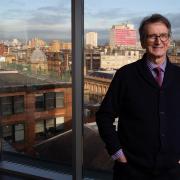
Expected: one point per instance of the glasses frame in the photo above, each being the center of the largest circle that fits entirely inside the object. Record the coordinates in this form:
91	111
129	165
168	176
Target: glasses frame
154	37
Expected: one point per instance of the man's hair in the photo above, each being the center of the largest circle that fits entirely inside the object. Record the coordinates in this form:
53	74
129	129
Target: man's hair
154	18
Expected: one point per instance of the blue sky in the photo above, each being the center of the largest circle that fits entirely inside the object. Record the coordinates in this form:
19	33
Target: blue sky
51	19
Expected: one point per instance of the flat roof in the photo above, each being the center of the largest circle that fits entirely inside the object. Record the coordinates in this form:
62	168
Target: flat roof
14	82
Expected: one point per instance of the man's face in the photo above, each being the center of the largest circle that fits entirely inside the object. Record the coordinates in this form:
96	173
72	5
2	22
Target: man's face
157	40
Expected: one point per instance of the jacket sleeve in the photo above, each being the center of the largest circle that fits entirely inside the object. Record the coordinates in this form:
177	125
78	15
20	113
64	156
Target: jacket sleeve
108	111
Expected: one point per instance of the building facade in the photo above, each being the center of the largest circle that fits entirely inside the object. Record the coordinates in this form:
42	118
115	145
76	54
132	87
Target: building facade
91	39
33	111
116	61
123	35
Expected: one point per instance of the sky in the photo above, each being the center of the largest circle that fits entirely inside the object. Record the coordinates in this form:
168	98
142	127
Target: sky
51	19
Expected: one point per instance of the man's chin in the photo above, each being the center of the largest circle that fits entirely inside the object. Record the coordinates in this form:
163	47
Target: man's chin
157	55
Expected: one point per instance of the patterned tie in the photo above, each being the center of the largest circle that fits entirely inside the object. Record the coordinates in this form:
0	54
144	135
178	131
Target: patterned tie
158	76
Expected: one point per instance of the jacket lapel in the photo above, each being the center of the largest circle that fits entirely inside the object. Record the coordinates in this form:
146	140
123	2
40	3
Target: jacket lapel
168	74
145	72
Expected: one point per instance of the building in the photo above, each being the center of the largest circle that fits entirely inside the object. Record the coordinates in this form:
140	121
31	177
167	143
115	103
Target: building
123	35
66	45
115	61
91	39
32	110
55	46
92	59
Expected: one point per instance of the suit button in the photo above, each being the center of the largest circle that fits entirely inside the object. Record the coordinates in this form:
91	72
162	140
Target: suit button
162	112
162	135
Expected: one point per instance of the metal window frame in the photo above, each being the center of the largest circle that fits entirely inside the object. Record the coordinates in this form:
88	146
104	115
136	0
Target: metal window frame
77	86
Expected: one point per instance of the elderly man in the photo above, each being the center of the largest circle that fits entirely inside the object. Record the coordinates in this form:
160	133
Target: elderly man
145	96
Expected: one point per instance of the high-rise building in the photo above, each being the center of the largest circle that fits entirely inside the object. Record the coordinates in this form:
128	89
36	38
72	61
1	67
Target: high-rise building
91	39
123	35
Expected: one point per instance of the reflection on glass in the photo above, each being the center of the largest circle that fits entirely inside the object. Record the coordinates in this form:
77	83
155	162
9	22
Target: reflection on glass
35	77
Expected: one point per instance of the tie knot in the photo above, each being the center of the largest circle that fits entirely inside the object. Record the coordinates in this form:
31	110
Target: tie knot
157	70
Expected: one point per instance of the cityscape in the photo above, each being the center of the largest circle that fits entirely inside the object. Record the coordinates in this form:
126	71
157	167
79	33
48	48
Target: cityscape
36	80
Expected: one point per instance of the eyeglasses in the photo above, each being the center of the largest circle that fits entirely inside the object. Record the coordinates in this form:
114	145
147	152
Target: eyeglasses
163	37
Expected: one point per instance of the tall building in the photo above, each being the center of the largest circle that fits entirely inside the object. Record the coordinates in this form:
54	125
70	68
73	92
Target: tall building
123	35
91	39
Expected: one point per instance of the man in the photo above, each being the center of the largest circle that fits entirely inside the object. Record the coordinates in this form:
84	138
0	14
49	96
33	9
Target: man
145	96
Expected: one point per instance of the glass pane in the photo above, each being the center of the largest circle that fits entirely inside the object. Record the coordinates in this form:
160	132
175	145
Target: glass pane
7	132
50	100
6	105
59	123
18	104
19	132
59	99
112	41
39	102
35	78
39	127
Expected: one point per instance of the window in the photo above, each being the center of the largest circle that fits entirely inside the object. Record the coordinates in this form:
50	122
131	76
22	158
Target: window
13	133
7	132
6	105
11	105
18	104
50	125
39	130
39	102
59	123
18	132
39	127
59	99
50	100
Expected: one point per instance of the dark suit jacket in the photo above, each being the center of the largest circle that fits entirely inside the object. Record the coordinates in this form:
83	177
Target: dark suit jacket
149	116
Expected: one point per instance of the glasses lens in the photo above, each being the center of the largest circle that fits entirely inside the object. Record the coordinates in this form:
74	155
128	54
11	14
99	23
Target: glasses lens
164	37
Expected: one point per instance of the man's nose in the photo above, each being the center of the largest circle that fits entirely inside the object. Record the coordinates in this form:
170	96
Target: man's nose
157	40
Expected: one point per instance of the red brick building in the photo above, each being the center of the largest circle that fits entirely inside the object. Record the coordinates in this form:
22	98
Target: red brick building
32	110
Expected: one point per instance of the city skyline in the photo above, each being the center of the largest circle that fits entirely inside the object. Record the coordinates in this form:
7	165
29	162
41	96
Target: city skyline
52	19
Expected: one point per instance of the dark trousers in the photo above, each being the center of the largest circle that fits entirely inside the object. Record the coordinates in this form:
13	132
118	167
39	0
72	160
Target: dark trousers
124	171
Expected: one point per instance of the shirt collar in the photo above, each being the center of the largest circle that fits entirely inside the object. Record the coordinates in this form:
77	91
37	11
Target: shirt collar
151	65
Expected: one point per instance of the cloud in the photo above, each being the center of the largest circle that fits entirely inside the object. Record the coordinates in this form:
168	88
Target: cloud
50	15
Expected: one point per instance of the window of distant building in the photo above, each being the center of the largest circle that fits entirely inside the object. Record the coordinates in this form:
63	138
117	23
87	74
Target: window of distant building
13	133
7	132
39	128
39	102
11	105
50	100
49	127
59	99
18	132
6	105
18	104
59	123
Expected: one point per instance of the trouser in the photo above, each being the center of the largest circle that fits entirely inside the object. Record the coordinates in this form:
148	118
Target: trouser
124	171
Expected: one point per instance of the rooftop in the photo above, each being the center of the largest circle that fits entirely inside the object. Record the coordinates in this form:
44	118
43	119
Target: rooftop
11	81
